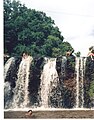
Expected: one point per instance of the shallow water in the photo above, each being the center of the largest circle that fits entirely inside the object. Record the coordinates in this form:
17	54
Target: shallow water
51	114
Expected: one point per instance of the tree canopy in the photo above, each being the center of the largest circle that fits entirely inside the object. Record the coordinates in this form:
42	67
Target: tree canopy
32	31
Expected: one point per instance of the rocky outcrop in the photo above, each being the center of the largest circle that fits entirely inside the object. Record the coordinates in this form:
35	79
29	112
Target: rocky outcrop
66	88
11	75
34	82
89	84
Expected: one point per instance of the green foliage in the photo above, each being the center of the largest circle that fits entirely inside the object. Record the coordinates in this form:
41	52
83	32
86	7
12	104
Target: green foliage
91	90
78	54
65	46
31	30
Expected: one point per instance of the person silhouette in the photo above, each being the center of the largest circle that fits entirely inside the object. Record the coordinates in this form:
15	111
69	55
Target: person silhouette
24	55
29	113
91	53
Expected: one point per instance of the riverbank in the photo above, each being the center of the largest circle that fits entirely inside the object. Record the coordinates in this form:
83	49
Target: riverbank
50	114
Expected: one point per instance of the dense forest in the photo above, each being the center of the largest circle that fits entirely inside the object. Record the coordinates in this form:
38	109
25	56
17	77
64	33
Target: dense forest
32	31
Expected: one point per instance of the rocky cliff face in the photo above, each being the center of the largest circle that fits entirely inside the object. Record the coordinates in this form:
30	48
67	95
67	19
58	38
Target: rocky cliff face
89	84
66	72
34	82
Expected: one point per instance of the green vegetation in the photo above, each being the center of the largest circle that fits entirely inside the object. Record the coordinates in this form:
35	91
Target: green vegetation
78	54
32	31
91	90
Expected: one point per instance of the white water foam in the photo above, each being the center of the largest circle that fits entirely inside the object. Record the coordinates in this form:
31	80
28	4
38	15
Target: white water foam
82	69
49	75
20	98
77	82
7	65
49	109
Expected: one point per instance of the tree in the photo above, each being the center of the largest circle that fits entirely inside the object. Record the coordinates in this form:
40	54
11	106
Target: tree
78	54
31	30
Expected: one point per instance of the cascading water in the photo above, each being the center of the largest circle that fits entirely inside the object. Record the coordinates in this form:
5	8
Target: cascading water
26	99
49	75
7	95
8	68
81	87
7	65
77	82
20	98
82	71
53	89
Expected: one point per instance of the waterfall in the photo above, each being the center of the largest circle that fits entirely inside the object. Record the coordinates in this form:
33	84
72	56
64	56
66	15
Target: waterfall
82	75
7	95
20	98
7	66
82	70
7	85
26	99
77	82
46	86
48	76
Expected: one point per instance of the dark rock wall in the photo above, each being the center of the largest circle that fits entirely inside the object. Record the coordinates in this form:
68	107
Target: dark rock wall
11	77
12	71
66	88
34	82
89	84
70	83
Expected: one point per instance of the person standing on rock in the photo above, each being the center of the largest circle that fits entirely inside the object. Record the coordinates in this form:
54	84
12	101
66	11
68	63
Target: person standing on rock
25	55
70	65
91	53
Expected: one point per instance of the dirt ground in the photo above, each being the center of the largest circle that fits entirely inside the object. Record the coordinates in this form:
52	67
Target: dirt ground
50	114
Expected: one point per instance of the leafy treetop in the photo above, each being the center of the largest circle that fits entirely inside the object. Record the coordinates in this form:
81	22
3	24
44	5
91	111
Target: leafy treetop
32	31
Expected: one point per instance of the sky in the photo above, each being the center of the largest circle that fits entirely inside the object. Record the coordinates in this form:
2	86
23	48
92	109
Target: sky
75	19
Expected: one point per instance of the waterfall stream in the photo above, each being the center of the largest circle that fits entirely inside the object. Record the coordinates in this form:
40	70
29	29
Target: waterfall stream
82	70
46	86
77	82
20	98
82	77
7	66
48	76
